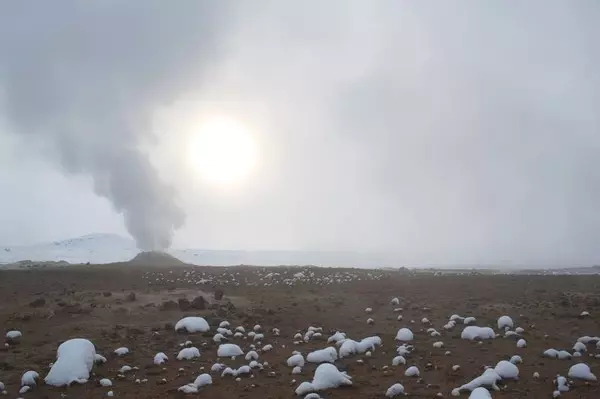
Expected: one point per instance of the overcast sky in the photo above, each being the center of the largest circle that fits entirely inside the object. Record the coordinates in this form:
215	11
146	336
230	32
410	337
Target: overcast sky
445	132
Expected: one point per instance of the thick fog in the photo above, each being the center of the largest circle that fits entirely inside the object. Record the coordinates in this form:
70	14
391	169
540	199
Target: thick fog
461	132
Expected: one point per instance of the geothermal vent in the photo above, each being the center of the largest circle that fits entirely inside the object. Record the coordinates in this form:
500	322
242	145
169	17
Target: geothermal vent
155	258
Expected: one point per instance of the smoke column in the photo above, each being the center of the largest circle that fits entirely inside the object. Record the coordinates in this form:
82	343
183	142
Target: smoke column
82	79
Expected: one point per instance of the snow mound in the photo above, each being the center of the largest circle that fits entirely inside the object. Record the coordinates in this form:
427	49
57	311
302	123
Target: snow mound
188	353
29	378
327	355
394	390
338	336
229	350
581	371
202	380
398	360
121	351
412	371
480	393
295	361
326	376
252	355
189	388
160	358
14	334
504	322
74	361
487	379
192	324
474	332
507	370
521	343
404	334
105	382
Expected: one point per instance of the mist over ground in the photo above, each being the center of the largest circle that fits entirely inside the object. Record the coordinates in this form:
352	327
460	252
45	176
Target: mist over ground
463	133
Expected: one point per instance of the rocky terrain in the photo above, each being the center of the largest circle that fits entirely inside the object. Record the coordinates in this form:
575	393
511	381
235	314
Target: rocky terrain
137	306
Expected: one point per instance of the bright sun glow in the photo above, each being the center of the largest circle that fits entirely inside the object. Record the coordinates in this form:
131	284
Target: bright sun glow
223	152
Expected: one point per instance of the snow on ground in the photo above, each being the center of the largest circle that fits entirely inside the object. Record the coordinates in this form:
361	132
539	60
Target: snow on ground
74	361
475	332
581	371
188	353
192	325
229	350
327	376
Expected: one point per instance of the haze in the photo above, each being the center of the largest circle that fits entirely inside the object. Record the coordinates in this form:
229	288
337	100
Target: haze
461	132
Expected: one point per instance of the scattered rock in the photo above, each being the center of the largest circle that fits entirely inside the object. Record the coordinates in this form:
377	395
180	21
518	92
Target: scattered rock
37	303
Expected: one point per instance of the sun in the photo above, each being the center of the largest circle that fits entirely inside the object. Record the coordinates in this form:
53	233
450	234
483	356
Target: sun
223	151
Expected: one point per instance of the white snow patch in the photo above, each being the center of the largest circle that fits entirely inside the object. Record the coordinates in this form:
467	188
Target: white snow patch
160	358
328	355
229	350
29	378
188	353
507	370
192	324
480	393
474	332
505	321
394	390
398	360
412	371
74	361
202	380
105	382
295	361
14	334
404	334
122	351
581	371
326	376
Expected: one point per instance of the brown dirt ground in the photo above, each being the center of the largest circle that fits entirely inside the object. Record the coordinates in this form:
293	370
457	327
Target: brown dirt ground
75	306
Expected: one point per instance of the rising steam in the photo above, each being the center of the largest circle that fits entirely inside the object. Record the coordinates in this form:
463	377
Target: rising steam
84	84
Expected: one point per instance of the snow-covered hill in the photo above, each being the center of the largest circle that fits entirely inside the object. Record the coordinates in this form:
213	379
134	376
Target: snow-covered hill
107	248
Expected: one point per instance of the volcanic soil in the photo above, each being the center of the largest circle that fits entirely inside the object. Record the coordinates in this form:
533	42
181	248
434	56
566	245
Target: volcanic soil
137	307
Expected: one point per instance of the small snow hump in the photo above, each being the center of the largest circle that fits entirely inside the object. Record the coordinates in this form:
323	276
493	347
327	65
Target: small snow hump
74	361
394	390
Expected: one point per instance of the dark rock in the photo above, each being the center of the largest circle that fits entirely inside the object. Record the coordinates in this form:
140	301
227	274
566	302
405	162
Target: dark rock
130	297
107	294
183	304
218	295
198	303
37	303
169	305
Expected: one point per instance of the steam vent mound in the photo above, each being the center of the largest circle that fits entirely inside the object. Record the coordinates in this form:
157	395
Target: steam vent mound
155	258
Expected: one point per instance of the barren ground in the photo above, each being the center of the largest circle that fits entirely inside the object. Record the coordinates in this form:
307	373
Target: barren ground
92	302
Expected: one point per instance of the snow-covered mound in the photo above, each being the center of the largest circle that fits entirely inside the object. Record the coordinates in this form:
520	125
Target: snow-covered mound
480	393
326	376
296	361
394	390
474	332
160	358
504	322
188	353
202	380
229	350
507	370
581	371
192	324
404	334
328	355
489	378
74	361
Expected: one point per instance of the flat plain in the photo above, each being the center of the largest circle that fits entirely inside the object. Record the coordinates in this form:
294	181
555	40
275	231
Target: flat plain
137	306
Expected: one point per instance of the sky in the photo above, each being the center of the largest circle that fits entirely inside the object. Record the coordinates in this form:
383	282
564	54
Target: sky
462	132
